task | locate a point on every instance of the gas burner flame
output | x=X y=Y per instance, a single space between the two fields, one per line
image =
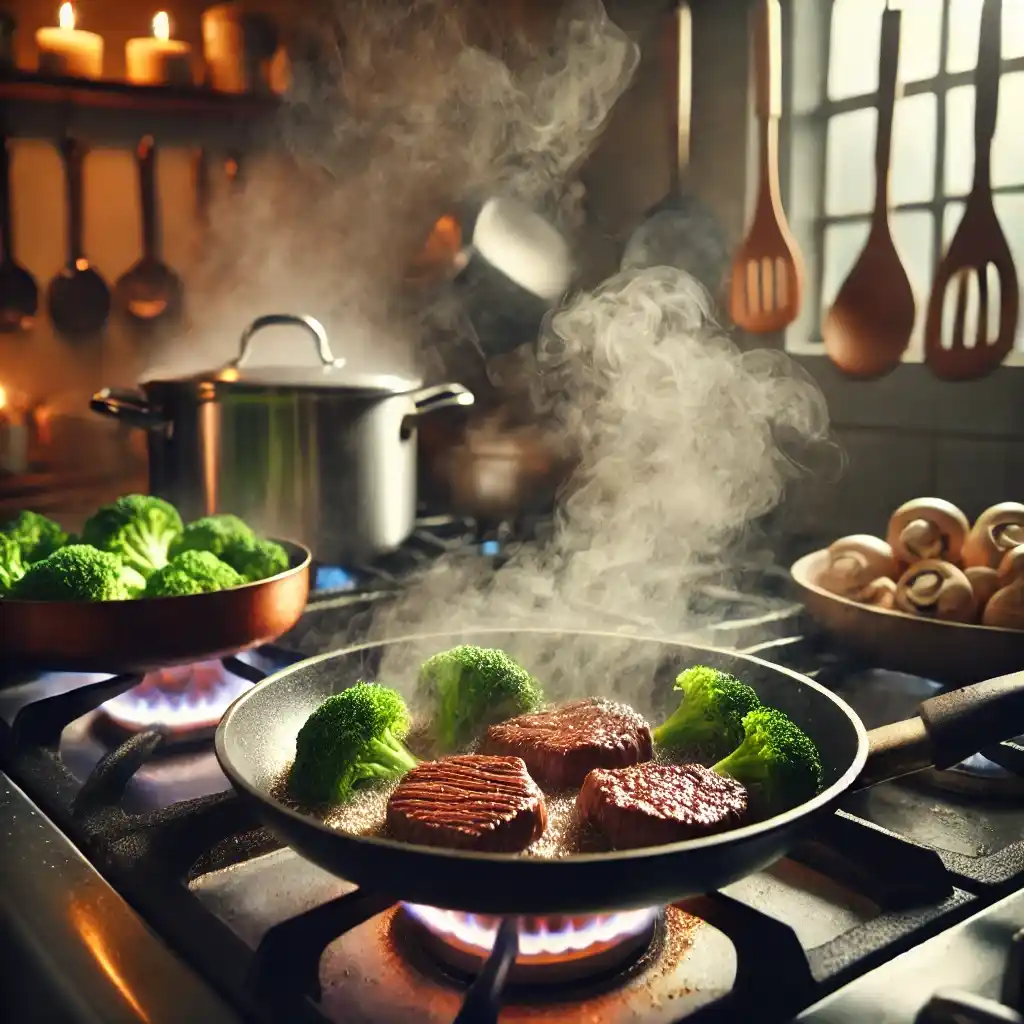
x=540 y=938
x=180 y=700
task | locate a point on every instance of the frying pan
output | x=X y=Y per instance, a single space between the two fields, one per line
x=149 y=633
x=947 y=652
x=256 y=740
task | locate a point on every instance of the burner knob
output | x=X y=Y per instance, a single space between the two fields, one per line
x=1013 y=977
x=951 y=1006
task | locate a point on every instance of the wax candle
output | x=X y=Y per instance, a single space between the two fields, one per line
x=224 y=47
x=158 y=59
x=67 y=51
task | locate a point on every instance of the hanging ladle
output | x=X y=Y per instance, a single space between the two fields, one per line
x=78 y=298
x=19 y=296
x=149 y=292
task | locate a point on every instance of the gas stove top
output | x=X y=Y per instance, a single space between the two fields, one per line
x=139 y=882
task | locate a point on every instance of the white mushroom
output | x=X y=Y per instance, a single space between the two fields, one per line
x=984 y=582
x=996 y=531
x=1006 y=607
x=880 y=593
x=854 y=563
x=937 y=590
x=927 y=528
x=1012 y=566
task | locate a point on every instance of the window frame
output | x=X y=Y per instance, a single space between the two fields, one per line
x=807 y=112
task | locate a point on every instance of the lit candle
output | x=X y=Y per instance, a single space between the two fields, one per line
x=67 y=51
x=159 y=59
x=223 y=47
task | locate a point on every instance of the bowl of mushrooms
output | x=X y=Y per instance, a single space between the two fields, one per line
x=938 y=596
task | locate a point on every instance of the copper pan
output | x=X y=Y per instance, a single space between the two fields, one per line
x=947 y=652
x=148 y=633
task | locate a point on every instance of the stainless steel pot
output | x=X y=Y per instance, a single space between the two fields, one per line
x=325 y=456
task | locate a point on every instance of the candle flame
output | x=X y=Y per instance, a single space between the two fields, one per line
x=66 y=16
x=161 y=25
x=3 y=397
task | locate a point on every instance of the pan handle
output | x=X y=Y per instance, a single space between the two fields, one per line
x=948 y=728
x=128 y=407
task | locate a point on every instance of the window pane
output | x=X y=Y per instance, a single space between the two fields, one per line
x=853 y=48
x=964 y=23
x=849 y=162
x=1010 y=211
x=843 y=244
x=950 y=222
x=920 y=40
x=912 y=232
x=1008 y=148
x=959 y=140
x=913 y=149
x=1013 y=29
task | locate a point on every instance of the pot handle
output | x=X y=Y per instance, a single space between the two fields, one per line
x=312 y=325
x=948 y=728
x=128 y=407
x=441 y=396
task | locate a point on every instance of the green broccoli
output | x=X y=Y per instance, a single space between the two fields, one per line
x=353 y=737
x=257 y=559
x=709 y=720
x=777 y=762
x=192 y=572
x=12 y=567
x=472 y=688
x=78 y=572
x=138 y=528
x=214 y=534
x=36 y=535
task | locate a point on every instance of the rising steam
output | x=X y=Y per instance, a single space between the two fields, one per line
x=683 y=441
x=420 y=105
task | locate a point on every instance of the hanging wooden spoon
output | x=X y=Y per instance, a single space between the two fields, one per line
x=868 y=328
x=78 y=299
x=978 y=255
x=19 y=296
x=767 y=271
x=149 y=293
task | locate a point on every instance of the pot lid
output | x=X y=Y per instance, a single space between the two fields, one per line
x=329 y=371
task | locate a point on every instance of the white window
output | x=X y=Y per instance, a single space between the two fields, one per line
x=833 y=49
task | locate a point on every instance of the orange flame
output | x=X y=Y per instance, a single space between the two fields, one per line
x=161 y=25
x=66 y=16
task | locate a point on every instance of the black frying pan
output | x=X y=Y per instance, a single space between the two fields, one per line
x=149 y=633
x=256 y=740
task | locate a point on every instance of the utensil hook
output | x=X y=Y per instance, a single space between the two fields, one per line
x=315 y=328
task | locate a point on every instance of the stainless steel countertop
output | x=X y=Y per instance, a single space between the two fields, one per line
x=73 y=948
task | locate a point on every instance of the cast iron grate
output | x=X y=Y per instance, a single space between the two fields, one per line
x=151 y=857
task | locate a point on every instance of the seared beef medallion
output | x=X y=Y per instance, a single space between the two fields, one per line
x=652 y=804
x=469 y=802
x=561 y=746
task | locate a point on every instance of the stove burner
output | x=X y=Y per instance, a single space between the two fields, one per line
x=334 y=578
x=552 y=950
x=181 y=700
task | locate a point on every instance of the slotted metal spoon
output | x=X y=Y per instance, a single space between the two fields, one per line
x=767 y=271
x=978 y=256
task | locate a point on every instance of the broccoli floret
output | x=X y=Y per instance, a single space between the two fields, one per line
x=213 y=533
x=472 y=688
x=777 y=762
x=257 y=559
x=192 y=572
x=709 y=720
x=12 y=567
x=353 y=737
x=36 y=535
x=138 y=528
x=78 y=572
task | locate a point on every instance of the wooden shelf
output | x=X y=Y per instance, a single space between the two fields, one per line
x=38 y=106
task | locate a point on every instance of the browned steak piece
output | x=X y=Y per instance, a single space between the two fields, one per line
x=561 y=746
x=469 y=802
x=651 y=804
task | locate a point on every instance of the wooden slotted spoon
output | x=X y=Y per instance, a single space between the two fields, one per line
x=869 y=326
x=767 y=271
x=978 y=253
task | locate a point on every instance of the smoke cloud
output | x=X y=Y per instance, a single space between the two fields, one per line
x=412 y=107
x=683 y=442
